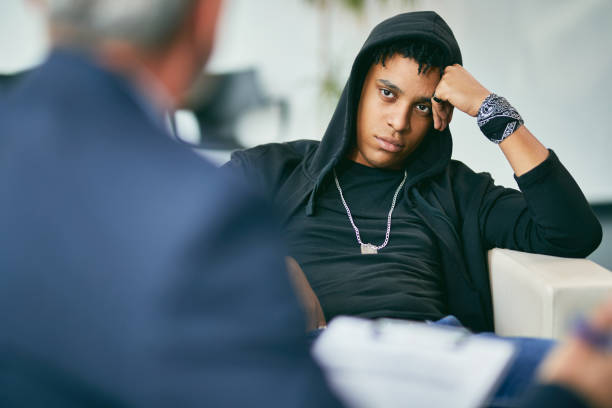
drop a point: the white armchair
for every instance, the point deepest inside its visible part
(539, 295)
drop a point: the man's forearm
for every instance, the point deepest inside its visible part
(523, 151)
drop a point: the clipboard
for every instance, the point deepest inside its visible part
(398, 363)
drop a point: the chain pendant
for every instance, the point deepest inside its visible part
(368, 249)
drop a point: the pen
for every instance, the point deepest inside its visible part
(599, 339)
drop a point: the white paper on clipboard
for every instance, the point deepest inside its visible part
(396, 363)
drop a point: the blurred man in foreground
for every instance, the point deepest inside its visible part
(133, 272)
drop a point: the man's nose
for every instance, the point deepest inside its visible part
(399, 120)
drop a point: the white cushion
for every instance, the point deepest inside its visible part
(540, 295)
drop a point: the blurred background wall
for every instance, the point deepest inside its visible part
(280, 64)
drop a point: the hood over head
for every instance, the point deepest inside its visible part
(434, 153)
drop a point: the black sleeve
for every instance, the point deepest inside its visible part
(259, 167)
(552, 395)
(550, 217)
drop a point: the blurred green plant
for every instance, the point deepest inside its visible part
(356, 6)
(330, 85)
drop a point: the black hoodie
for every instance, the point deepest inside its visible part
(467, 213)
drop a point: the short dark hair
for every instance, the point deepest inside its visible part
(426, 54)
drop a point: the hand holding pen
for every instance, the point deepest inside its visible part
(597, 336)
(584, 362)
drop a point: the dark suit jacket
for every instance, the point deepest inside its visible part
(553, 395)
(132, 272)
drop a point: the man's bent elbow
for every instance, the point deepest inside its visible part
(587, 239)
(595, 235)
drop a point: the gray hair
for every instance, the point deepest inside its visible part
(145, 23)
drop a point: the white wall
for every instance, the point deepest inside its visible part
(23, 40)
(551, 58)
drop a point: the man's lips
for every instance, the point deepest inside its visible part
(389, 145)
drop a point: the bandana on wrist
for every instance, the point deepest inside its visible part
(497, 119)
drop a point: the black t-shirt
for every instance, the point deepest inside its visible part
(403, 280)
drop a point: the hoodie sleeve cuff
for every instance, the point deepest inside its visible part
(542, 170)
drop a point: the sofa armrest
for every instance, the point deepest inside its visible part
(539, 295)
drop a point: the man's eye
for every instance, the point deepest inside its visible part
(386, 93)
(423, 108)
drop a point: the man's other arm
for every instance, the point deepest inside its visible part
(552, 216)
(461, 90)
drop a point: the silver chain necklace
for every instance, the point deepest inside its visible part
(369, 248)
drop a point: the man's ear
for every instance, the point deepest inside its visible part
(206, 15)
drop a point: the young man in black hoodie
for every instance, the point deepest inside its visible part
(382, 221)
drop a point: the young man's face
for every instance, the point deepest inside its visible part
(394, 113)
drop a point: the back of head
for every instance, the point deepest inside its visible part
(148, 24)
(160, 44)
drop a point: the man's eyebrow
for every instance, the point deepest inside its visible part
(423, 99)
(390, 85)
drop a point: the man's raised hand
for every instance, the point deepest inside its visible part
(457, 88)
